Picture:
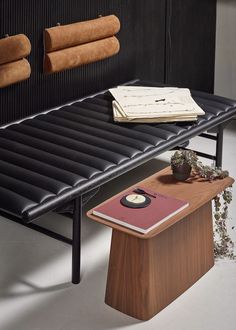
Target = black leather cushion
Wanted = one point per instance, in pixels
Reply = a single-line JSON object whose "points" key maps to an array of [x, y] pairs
{"points": [[49, 160]]}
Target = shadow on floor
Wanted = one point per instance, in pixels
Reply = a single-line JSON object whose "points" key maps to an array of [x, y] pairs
{"points": [[29, 251]]}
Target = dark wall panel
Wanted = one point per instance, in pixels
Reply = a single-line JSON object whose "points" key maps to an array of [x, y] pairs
{"points": [[142, 36], [190, 40]]}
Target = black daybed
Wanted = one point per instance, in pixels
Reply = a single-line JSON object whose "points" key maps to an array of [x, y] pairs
{"points": [[57, 157]]}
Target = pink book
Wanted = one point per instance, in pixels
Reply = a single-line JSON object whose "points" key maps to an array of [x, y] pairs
{"points": [[143, 220]]}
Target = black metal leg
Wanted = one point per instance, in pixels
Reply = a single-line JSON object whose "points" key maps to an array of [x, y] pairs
{"points": [[219, 146], [76, 243]]}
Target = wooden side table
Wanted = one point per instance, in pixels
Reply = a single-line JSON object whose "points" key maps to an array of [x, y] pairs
{"points": [[147, 272]]}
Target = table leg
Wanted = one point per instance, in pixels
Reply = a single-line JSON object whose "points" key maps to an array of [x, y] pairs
{"points": [[145, 275]]}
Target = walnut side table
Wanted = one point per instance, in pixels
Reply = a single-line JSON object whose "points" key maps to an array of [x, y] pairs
{"points": [[147, 272]]}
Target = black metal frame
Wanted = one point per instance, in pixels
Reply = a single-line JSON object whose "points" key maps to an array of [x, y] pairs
{"points": [[219, 146], [76, 236], [76, 240]]}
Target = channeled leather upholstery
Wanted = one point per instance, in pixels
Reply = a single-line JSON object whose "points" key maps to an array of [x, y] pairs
{"points": [[54, 157]]}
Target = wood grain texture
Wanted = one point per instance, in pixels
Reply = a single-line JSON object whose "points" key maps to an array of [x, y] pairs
{"points": [[148, 271], [144, 276], [196, 191]]}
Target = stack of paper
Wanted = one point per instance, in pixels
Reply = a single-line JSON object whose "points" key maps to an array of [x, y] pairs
{"points": [[153, 104]]}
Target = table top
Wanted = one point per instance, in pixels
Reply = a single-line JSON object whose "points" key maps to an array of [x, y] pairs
{"points": [[196, 191]]}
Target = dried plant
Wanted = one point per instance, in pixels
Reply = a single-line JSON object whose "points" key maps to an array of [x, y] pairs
{"points": [[189, 157], [223, 244], [208, 172], [181, 157]]}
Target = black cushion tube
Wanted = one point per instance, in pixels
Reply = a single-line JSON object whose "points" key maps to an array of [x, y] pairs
{"points": [[49, 160]]}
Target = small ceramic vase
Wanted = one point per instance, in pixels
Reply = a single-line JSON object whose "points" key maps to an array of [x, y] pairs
{"points": [[181, 172]]}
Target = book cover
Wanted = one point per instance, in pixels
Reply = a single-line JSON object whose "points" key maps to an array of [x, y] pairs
{"points": [[143, 220]]}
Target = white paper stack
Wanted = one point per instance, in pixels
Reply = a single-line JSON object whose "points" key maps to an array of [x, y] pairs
{"points": [[153, 104]]}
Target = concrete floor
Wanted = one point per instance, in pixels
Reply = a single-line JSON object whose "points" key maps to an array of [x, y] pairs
{"points": [[35, 272]]}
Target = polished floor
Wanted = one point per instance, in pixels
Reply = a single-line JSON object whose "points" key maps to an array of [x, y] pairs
{"points": [[35, 288]]}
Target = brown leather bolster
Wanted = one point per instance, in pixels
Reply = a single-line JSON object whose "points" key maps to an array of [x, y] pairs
{"points": [[11, 73], [65, 36], [14, 48], [75, 56]]}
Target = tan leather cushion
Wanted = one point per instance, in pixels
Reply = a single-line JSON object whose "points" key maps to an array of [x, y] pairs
{"points": [[65, 36], [79, 55], [14, 48], [11, 73]]}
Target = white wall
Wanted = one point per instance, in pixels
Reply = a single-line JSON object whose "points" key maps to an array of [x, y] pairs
{"points": [[225, 67]]}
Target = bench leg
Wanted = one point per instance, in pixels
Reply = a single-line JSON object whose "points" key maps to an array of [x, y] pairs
{"points": [[76, 241], [219, 146]]}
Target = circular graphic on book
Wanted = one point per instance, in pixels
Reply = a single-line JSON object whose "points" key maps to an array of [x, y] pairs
{"points": [[135, 201]]}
